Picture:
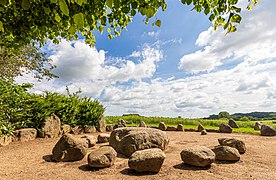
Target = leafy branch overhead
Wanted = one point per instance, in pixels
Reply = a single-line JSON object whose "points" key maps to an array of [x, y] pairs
{"points": [[22, 21]]}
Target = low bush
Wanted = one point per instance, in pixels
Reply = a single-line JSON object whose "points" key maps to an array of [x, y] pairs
{"points": [[20, 109]]}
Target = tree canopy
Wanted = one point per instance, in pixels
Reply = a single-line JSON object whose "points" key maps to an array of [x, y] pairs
{"points": [[24, 21], [26, 59]]}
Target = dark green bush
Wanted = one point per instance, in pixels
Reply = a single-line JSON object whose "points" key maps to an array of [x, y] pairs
{"points": [[20, 109]]}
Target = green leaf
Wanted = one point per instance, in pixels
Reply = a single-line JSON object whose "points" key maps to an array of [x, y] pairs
{"points": [[150, 12], [25, 4], [79, 20], [101, 28], [110, 3], [158, 23], [63, 7], [54, 1], [72, 30], [47, 10], [236, 18], [233, 1], [3, 2], [1, 26], [80, 2], [57, 18]]}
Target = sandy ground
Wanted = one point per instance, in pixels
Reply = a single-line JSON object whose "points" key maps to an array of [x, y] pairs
{"points": [[32, 160]]}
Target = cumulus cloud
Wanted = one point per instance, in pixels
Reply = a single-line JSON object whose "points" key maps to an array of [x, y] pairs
{"points": [[76, 61], [254, 41]]}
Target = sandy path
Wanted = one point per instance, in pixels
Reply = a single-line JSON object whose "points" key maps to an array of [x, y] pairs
{"points": [[31, 160]]}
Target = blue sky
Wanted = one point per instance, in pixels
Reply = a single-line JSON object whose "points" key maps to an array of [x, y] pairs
{"points": [[184, 68]]}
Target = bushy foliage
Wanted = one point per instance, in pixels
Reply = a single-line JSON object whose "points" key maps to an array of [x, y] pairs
{"points": [[20, 109]]}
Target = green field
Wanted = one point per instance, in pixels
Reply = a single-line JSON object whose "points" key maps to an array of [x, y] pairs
{"points": [[134, 120]]}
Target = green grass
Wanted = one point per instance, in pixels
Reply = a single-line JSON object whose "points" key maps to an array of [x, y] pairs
{"points": [[134, 120]]}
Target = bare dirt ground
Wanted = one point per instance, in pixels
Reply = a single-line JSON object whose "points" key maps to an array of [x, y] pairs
{"points": [[32, 160]]}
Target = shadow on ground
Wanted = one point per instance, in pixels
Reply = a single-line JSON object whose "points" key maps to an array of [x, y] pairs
{"points": [[86, 167], [131, 172], [184, 166]]}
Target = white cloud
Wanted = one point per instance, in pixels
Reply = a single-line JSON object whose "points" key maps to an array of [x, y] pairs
{"points": [[254, 41]]}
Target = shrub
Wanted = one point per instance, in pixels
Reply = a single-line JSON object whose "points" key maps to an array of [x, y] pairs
{"points": [[20, 109]]}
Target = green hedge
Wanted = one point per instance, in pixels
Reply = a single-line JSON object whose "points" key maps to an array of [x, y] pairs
{"points": [[20, 109]]}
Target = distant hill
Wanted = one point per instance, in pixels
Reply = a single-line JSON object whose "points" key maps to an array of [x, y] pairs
{"points": [[251, 115], [256, 115]]}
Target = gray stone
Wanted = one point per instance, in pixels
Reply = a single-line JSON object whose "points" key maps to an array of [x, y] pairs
{"points": [[226, 153], [171, 128], [91, 140], [5, 140], [142, 124], [200, 128], [180, 127], [121, 123], [233, 142], [147, 160], [258, 126], [90, 129], [204, 132], [65, 128], [102, 125], [24, 135], [225, 128], [128, 140], [162, 126], [69, 148], [267, 130], [198, 156], [101, 158], [103, 138], [232, 123], [109, 128], [77, 130], [50, 128]]}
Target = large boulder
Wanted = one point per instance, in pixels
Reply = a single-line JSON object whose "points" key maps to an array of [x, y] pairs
{"points": [[50, 127], [180, 127], [226, 153], [198, 156], [90, 129], [69, 148], [232, 123], [128, 140], [91, 140], [233, 142], [258, 126], [65, 128], [5, 140], [147, 160], [101, 158], [162, 126], [225, 128], [25, 135], [103, 138], [200, 128], [142, 124], [267, 130], [102, 125]]}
